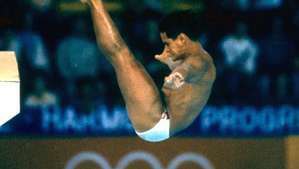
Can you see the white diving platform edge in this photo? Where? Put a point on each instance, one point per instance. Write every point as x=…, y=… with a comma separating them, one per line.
x=9, y=87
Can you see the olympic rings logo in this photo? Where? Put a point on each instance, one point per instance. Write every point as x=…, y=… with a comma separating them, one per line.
x=136, y=156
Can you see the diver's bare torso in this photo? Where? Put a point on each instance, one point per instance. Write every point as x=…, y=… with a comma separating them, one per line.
x=185, y=102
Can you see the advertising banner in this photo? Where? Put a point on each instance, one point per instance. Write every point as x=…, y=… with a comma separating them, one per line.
x=232, y=121
x=133, y=153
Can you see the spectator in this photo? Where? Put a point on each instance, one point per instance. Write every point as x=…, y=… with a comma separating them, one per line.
x=41, y=96
x=78, y=58
x=276, y=57
x=11, y=42
x=240, y=51
x=278, y=49
x=240, y=54
x=34, y=52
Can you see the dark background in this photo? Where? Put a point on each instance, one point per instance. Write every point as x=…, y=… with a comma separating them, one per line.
x=54, y=73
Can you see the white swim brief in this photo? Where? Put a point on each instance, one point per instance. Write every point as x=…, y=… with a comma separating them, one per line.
x=159, y=132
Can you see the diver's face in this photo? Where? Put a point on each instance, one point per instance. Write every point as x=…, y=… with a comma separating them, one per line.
x=174, y=48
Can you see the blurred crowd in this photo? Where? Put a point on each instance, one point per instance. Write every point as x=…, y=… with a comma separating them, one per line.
x=254, y=44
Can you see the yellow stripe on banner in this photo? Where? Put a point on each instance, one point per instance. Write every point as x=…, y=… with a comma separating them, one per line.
x=79, y=7
x=170, y=6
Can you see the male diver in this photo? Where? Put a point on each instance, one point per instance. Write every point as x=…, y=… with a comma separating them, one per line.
x=186, y=89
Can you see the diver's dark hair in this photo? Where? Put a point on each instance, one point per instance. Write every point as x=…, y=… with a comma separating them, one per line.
x=181, y=22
